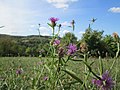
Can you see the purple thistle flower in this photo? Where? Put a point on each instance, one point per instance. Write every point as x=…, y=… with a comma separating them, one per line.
x=56, y=42
x=53, y=19
x=19, y=71
x=45, y=78
x=71, y=49
x=106, y=82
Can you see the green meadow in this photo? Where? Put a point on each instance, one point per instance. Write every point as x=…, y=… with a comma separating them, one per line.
x=32, y=76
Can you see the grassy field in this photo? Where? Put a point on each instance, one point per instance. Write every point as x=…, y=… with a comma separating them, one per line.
x=33, y=68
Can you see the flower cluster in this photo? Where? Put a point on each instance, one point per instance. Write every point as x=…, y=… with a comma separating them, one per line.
x=106, y=82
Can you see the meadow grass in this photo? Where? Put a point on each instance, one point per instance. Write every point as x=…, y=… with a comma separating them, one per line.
x=32, y=68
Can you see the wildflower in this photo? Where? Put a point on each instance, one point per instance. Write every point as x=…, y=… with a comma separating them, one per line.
x=45, y=78
x=83, y=47
x=59, y=25
x=73, y=24
x=61, y=52
x=71, y=49
x=40, y=63
x=24, y=77
x=2, y=78
x=53, y=21
x=19, y=71
x=105, y=83
x=56, y=42
x=115, y=35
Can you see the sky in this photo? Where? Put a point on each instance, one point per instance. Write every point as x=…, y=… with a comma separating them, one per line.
x=21, y=17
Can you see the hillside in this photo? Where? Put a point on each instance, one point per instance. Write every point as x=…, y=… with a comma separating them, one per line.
x=22, y=45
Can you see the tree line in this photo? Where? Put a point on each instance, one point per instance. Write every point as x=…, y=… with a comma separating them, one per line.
x=35, y=45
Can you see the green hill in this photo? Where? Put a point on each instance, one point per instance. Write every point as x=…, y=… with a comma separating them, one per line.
x=22, y=45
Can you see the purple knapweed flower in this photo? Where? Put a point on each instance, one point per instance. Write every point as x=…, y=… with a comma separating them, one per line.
x=56, y=42
x=45, y=78
x=53, y=21
x=72, y=48
x=105, y=83
x=19, y=71
x=39, y=63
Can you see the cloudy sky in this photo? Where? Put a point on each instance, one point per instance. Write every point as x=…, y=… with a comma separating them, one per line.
x=21, y=17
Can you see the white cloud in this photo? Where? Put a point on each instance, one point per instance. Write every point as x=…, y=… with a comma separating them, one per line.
x=32, y=26
x=61, y=3
x=44, y=31
x=65, y=31
x=65, y=23
x=115, y=9
x=15, y=18
x=81, y=32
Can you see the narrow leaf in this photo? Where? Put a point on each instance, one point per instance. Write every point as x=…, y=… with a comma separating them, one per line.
x=73, y=75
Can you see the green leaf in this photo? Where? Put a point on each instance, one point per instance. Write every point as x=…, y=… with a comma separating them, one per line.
x=76, y=60
x=90, y=69
x=33, y=82
x=47, y=68
x=73, y=75
x=92, y=63
x=101, y=66
x=50, y=25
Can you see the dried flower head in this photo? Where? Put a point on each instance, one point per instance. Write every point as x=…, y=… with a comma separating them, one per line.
x=115, y=35
x=59, y=25
x=83, y=47
x=73, y=24
x=61, y=52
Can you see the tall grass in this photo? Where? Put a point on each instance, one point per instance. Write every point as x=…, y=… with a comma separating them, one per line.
x=33, y=73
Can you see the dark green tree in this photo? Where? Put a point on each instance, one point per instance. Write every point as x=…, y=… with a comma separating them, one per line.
x=69, y=38
x=93, y=38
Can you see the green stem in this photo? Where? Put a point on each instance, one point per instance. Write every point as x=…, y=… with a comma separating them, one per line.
x=53, y=31
x=117, y=63
x=112, y=65
x=101, y=66
x=86, y=76
x=85, y=59
x=118, y=47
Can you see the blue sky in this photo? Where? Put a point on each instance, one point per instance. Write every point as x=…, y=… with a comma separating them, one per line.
x=21, y=17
